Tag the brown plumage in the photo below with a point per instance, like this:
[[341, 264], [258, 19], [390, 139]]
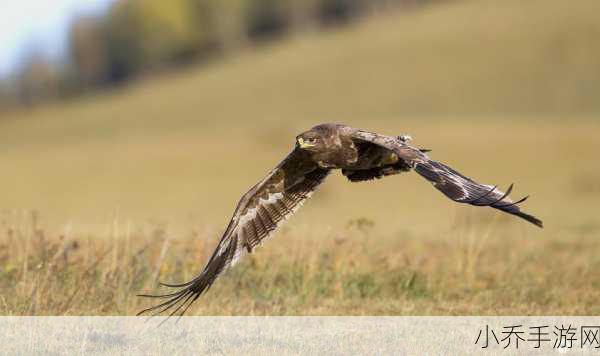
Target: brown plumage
[[361, 156]]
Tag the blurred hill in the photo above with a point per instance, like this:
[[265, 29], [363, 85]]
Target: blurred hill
[[454, 75], [480, 57]]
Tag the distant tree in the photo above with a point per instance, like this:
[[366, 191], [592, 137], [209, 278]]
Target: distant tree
[[339, 11], [227, 23], [37, 80], [302, 14], [88, 49], [124, 51], [147, 34], [7, 98], [266, 18]]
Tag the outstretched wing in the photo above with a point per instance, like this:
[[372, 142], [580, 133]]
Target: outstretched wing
[[259, 212], [453, 184]]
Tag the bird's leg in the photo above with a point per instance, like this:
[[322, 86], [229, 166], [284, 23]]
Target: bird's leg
[[405, 138]]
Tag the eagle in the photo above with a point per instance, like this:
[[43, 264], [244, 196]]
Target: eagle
[[361, 156]]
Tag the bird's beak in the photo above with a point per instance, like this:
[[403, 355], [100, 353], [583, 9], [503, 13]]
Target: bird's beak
[[304, 144]]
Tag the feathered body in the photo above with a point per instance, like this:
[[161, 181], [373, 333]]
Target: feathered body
[[361, 156]]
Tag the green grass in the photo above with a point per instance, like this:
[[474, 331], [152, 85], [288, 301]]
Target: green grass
[[504, 91]]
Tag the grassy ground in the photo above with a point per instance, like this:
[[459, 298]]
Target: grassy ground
[[103, 196]]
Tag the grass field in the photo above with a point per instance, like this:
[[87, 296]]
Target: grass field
[[103, 196]]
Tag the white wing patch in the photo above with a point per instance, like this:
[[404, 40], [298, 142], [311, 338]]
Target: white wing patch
[[251, 215]]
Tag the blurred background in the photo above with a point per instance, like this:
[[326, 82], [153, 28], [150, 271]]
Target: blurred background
[[140, 112], [161, 109]]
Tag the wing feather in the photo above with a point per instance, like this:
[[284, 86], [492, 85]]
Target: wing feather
[[259, 212], [447, 180]]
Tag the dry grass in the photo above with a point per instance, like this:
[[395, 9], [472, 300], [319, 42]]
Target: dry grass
[[136, 185], [360, 269]]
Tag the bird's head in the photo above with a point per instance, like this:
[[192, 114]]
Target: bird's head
[[317, 139]]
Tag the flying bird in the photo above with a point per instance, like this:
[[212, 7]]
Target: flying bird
[[361, 156]]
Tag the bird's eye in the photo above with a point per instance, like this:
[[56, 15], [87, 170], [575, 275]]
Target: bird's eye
[[312, 139]]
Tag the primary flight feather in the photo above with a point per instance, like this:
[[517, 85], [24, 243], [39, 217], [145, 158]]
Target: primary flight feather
[[361, 156]]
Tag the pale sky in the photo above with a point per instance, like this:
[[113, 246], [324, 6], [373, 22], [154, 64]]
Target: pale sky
[[43, 24]]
